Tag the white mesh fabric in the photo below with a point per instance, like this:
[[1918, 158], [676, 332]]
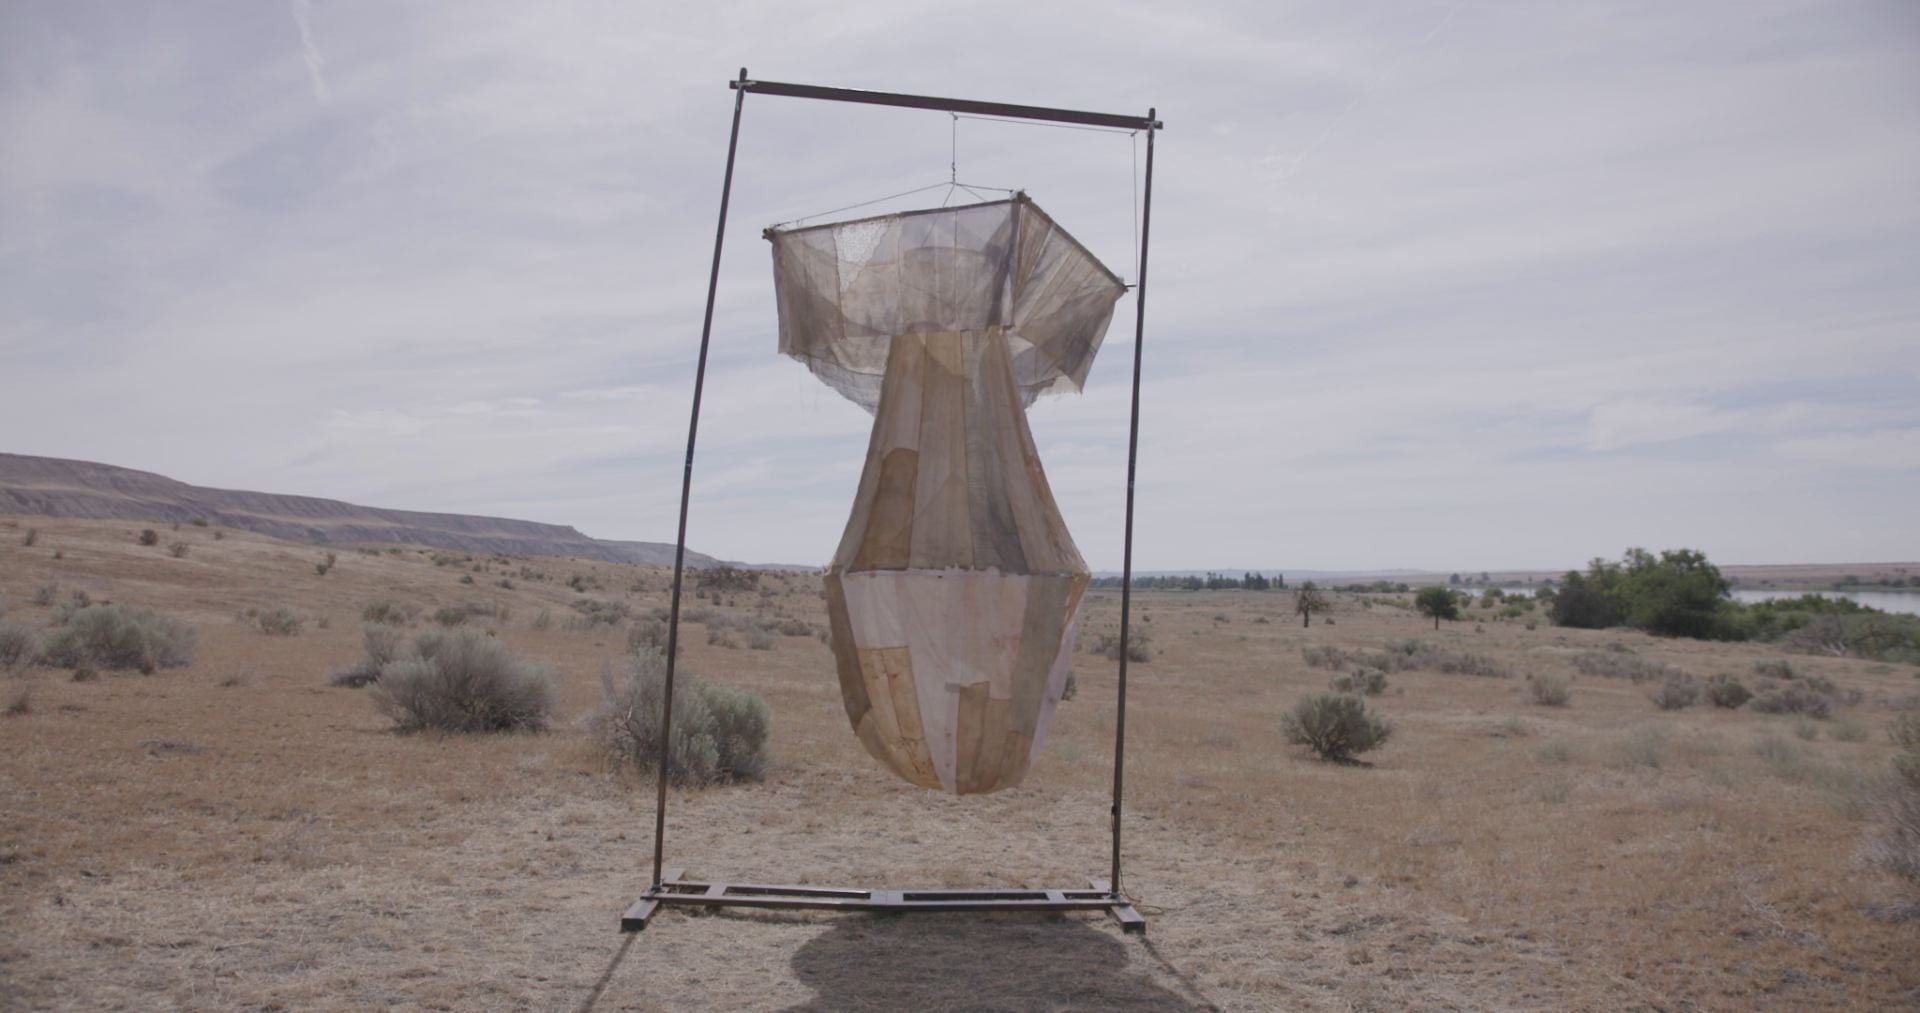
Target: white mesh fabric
[[846, 290]]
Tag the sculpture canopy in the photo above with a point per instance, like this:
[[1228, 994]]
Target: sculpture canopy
[[954, 594], [847, 289]]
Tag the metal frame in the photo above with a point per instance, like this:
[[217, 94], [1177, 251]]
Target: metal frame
[[668, 888]]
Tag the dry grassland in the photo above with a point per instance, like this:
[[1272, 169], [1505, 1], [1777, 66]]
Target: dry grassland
[[239, 833]]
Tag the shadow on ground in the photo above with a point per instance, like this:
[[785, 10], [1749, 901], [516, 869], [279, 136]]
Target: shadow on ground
[[975, 962]]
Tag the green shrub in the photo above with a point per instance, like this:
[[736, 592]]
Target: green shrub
[[463, 681], [120, 637], [1361, 681], [1550, 690], [1726, 691], [1335, 725], [1676, 691], [18, 646], [719, 734]]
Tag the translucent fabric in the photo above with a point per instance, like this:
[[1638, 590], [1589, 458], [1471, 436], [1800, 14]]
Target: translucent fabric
[[847, 289], [954, 595]]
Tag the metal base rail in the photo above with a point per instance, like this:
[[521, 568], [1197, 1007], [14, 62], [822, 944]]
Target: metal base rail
[[675, 891]]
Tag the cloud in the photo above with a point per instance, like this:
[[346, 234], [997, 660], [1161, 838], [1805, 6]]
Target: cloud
[[309, 51]]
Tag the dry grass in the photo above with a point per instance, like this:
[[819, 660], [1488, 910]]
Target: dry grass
[[179, 842]]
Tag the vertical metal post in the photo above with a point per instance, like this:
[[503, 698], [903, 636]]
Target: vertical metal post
[[686, 487], [1133, 452]]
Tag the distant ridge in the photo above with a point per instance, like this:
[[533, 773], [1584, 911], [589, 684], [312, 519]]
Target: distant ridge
[[57, 487]]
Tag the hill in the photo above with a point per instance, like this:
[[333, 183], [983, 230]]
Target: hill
[[57, 487]]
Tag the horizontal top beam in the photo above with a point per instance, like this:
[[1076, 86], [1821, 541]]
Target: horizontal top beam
[[951, 105]]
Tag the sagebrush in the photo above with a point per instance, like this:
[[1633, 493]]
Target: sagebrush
[[463, 681], [1335, 725], [718, 734], [115, 636]]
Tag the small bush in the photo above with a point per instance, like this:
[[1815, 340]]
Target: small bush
[[1727, 691], [32, 536], [1646, 746], [390, 612], [148, 536], [274, 622], [177, 550], [1324, 656], [597, 612], [1107, 645], [542, 620], [647, 634], [384, 645], [719, 734], [1676, 691], [18, 646], [1335, 725], [46, 594], [450, 615], [1793, 698], [463, 681], [760, 641], [326, 563], [1777, 668], [120, 637], [1361, 681], [1621, 663], [1550, 690], [791, 627], [21, 702], [1806, 729], [1848, 731], [721, 638]]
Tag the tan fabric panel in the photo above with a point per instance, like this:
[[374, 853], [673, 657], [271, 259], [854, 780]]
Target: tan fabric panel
[[955, 590]]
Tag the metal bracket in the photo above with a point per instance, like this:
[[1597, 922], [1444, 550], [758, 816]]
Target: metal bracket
[[674, 891]]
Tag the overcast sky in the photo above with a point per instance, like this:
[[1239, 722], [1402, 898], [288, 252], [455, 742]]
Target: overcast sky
[[1441, 285]]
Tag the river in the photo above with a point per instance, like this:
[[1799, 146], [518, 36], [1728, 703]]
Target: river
[[1886, 601]]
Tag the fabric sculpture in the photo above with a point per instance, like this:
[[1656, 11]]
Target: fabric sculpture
[[955, 591]]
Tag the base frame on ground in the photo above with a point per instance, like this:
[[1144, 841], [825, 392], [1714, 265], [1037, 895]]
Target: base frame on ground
[[674, 891]]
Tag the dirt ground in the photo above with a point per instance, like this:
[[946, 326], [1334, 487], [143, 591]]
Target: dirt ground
[[241, 834]]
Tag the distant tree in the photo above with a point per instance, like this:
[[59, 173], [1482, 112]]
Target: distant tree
[[1454, 580], [1438, 603], [1307, 601], [1677, 593]]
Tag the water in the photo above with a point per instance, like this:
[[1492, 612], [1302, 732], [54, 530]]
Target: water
[[1886, 601]]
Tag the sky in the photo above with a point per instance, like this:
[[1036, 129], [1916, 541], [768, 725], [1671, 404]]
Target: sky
[[1436, 285]]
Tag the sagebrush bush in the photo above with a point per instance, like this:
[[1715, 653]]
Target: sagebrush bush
[[1793, 698], [1727, 691], [1622, 664], [19, 646], [463, 681], [1107, 645], [1677, 690], [1335, 725], [1550, 690], [274, 622], [45, 594], [1777, 668], [119, 637], [391, 612], [719, 734], [384, 645], [148, 536], [1363, 681]]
